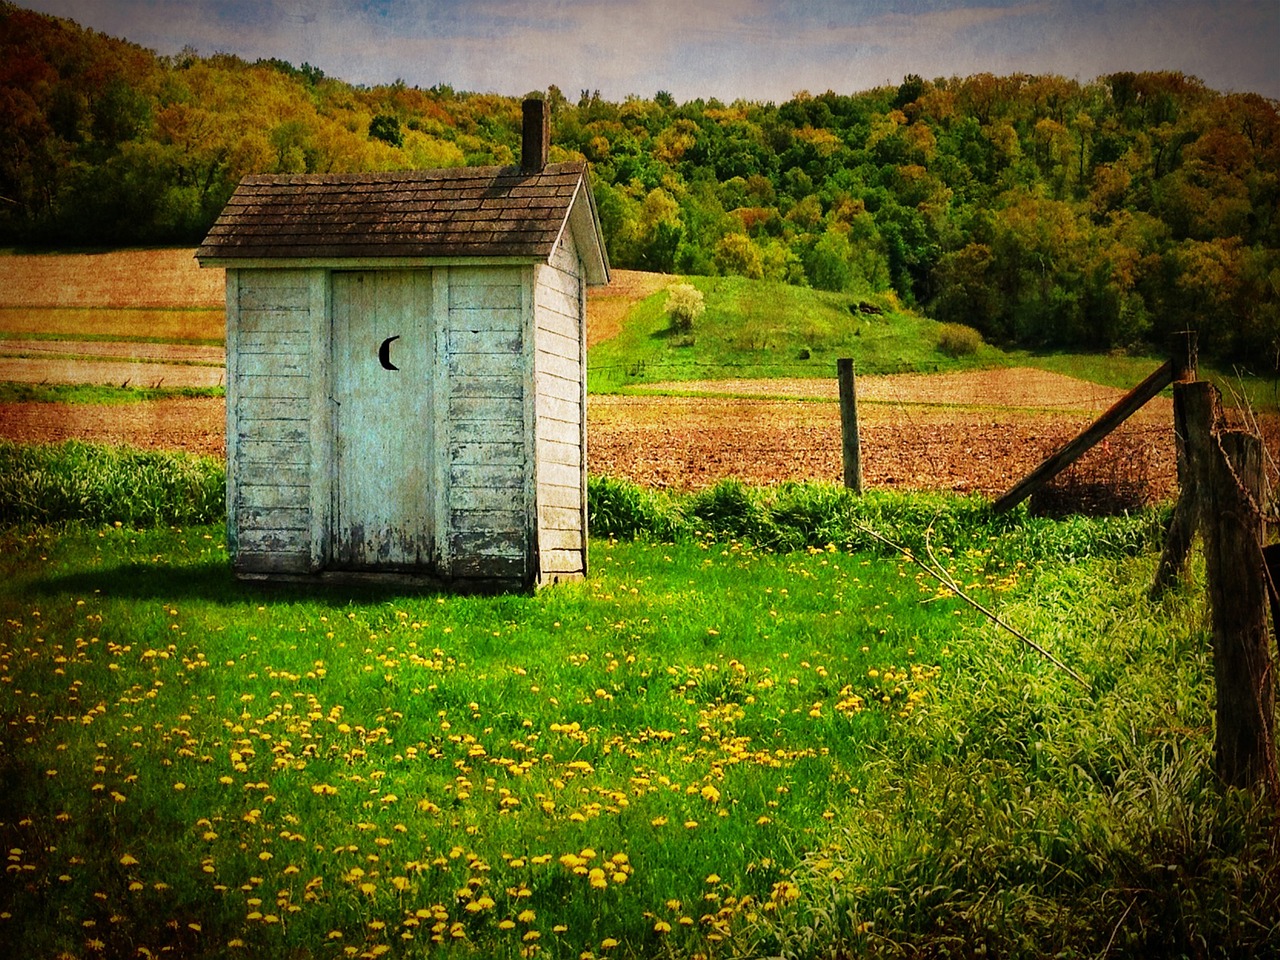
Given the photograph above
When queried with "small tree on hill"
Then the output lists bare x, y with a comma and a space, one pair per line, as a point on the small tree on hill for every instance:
684, 305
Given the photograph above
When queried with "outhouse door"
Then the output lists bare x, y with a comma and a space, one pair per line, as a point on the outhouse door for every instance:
383, 368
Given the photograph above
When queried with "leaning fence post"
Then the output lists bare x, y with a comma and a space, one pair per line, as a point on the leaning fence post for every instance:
851, 445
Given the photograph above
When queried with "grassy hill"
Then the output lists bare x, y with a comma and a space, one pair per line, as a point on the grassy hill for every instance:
761, 329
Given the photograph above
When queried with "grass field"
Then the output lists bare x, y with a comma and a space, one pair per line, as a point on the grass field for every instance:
753, 329
708, 748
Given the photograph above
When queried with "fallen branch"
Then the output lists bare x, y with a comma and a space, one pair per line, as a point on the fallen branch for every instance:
940, 574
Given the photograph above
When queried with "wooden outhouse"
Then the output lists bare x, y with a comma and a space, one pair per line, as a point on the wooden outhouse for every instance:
406, 371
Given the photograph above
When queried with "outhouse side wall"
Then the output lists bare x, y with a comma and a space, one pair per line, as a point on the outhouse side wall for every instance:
277, 420
486, 422
560, 376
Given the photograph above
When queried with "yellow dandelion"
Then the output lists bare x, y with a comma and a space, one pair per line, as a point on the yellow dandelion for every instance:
662, 927
128, 860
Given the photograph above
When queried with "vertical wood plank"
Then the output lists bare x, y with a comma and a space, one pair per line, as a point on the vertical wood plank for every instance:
582, 384
232, 405
528, 356
441, 278
320, 362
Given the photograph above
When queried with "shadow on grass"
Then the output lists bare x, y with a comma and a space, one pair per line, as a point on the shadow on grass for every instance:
214, 583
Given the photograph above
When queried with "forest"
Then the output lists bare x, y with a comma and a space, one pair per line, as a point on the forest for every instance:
1042, 211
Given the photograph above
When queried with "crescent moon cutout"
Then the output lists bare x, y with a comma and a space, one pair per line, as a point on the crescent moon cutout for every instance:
384, 354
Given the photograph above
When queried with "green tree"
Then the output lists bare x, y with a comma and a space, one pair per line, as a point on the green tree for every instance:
386, 128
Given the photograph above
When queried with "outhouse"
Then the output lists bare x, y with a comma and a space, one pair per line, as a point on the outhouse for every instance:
406, 371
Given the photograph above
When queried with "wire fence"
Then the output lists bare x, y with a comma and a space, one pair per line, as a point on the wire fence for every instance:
975, 432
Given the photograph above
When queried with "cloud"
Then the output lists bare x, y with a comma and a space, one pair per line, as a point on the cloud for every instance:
754, 49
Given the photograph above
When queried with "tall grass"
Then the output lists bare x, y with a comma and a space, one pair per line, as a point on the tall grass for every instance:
98, 484
794, 516
709, 748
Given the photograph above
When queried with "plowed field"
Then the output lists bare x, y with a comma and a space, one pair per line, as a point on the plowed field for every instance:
974, 432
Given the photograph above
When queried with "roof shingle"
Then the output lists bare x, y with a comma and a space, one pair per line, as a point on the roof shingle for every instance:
469, 212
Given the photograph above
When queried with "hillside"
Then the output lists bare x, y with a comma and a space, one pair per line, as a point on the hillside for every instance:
1040, 210
766, 329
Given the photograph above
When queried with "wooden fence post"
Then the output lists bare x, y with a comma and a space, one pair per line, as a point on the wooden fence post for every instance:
851, 444
1244, 745
1194, 416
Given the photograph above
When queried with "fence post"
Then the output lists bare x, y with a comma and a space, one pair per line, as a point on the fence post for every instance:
1244, 744
851, 445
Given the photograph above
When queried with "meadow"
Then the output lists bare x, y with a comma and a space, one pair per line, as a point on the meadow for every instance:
753, 731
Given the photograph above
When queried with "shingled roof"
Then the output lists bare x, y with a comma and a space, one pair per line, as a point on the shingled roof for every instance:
471, 212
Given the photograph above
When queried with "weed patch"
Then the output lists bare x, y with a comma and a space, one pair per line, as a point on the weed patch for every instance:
85, 482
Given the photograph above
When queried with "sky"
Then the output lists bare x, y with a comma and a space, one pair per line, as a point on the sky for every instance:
765, 50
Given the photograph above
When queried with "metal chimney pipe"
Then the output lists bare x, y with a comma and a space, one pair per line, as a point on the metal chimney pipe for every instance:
535, 137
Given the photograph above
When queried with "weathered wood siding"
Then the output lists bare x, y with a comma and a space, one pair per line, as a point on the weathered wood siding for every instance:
276, 449
560, 388
486, 418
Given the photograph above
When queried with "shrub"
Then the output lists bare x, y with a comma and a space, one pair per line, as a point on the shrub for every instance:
684, 306
958, 340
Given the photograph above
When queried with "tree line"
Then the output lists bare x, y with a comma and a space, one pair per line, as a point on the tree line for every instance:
1040, 210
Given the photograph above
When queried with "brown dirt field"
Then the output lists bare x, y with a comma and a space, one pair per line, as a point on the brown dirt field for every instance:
112, 363
110, 372
128, 323
688, 443
119, 278
195, 425
183, 352
693, 442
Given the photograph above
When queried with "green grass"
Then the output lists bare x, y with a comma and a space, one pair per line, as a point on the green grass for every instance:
757, 329
1238, 386
96, 393
81, 481
807, 752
